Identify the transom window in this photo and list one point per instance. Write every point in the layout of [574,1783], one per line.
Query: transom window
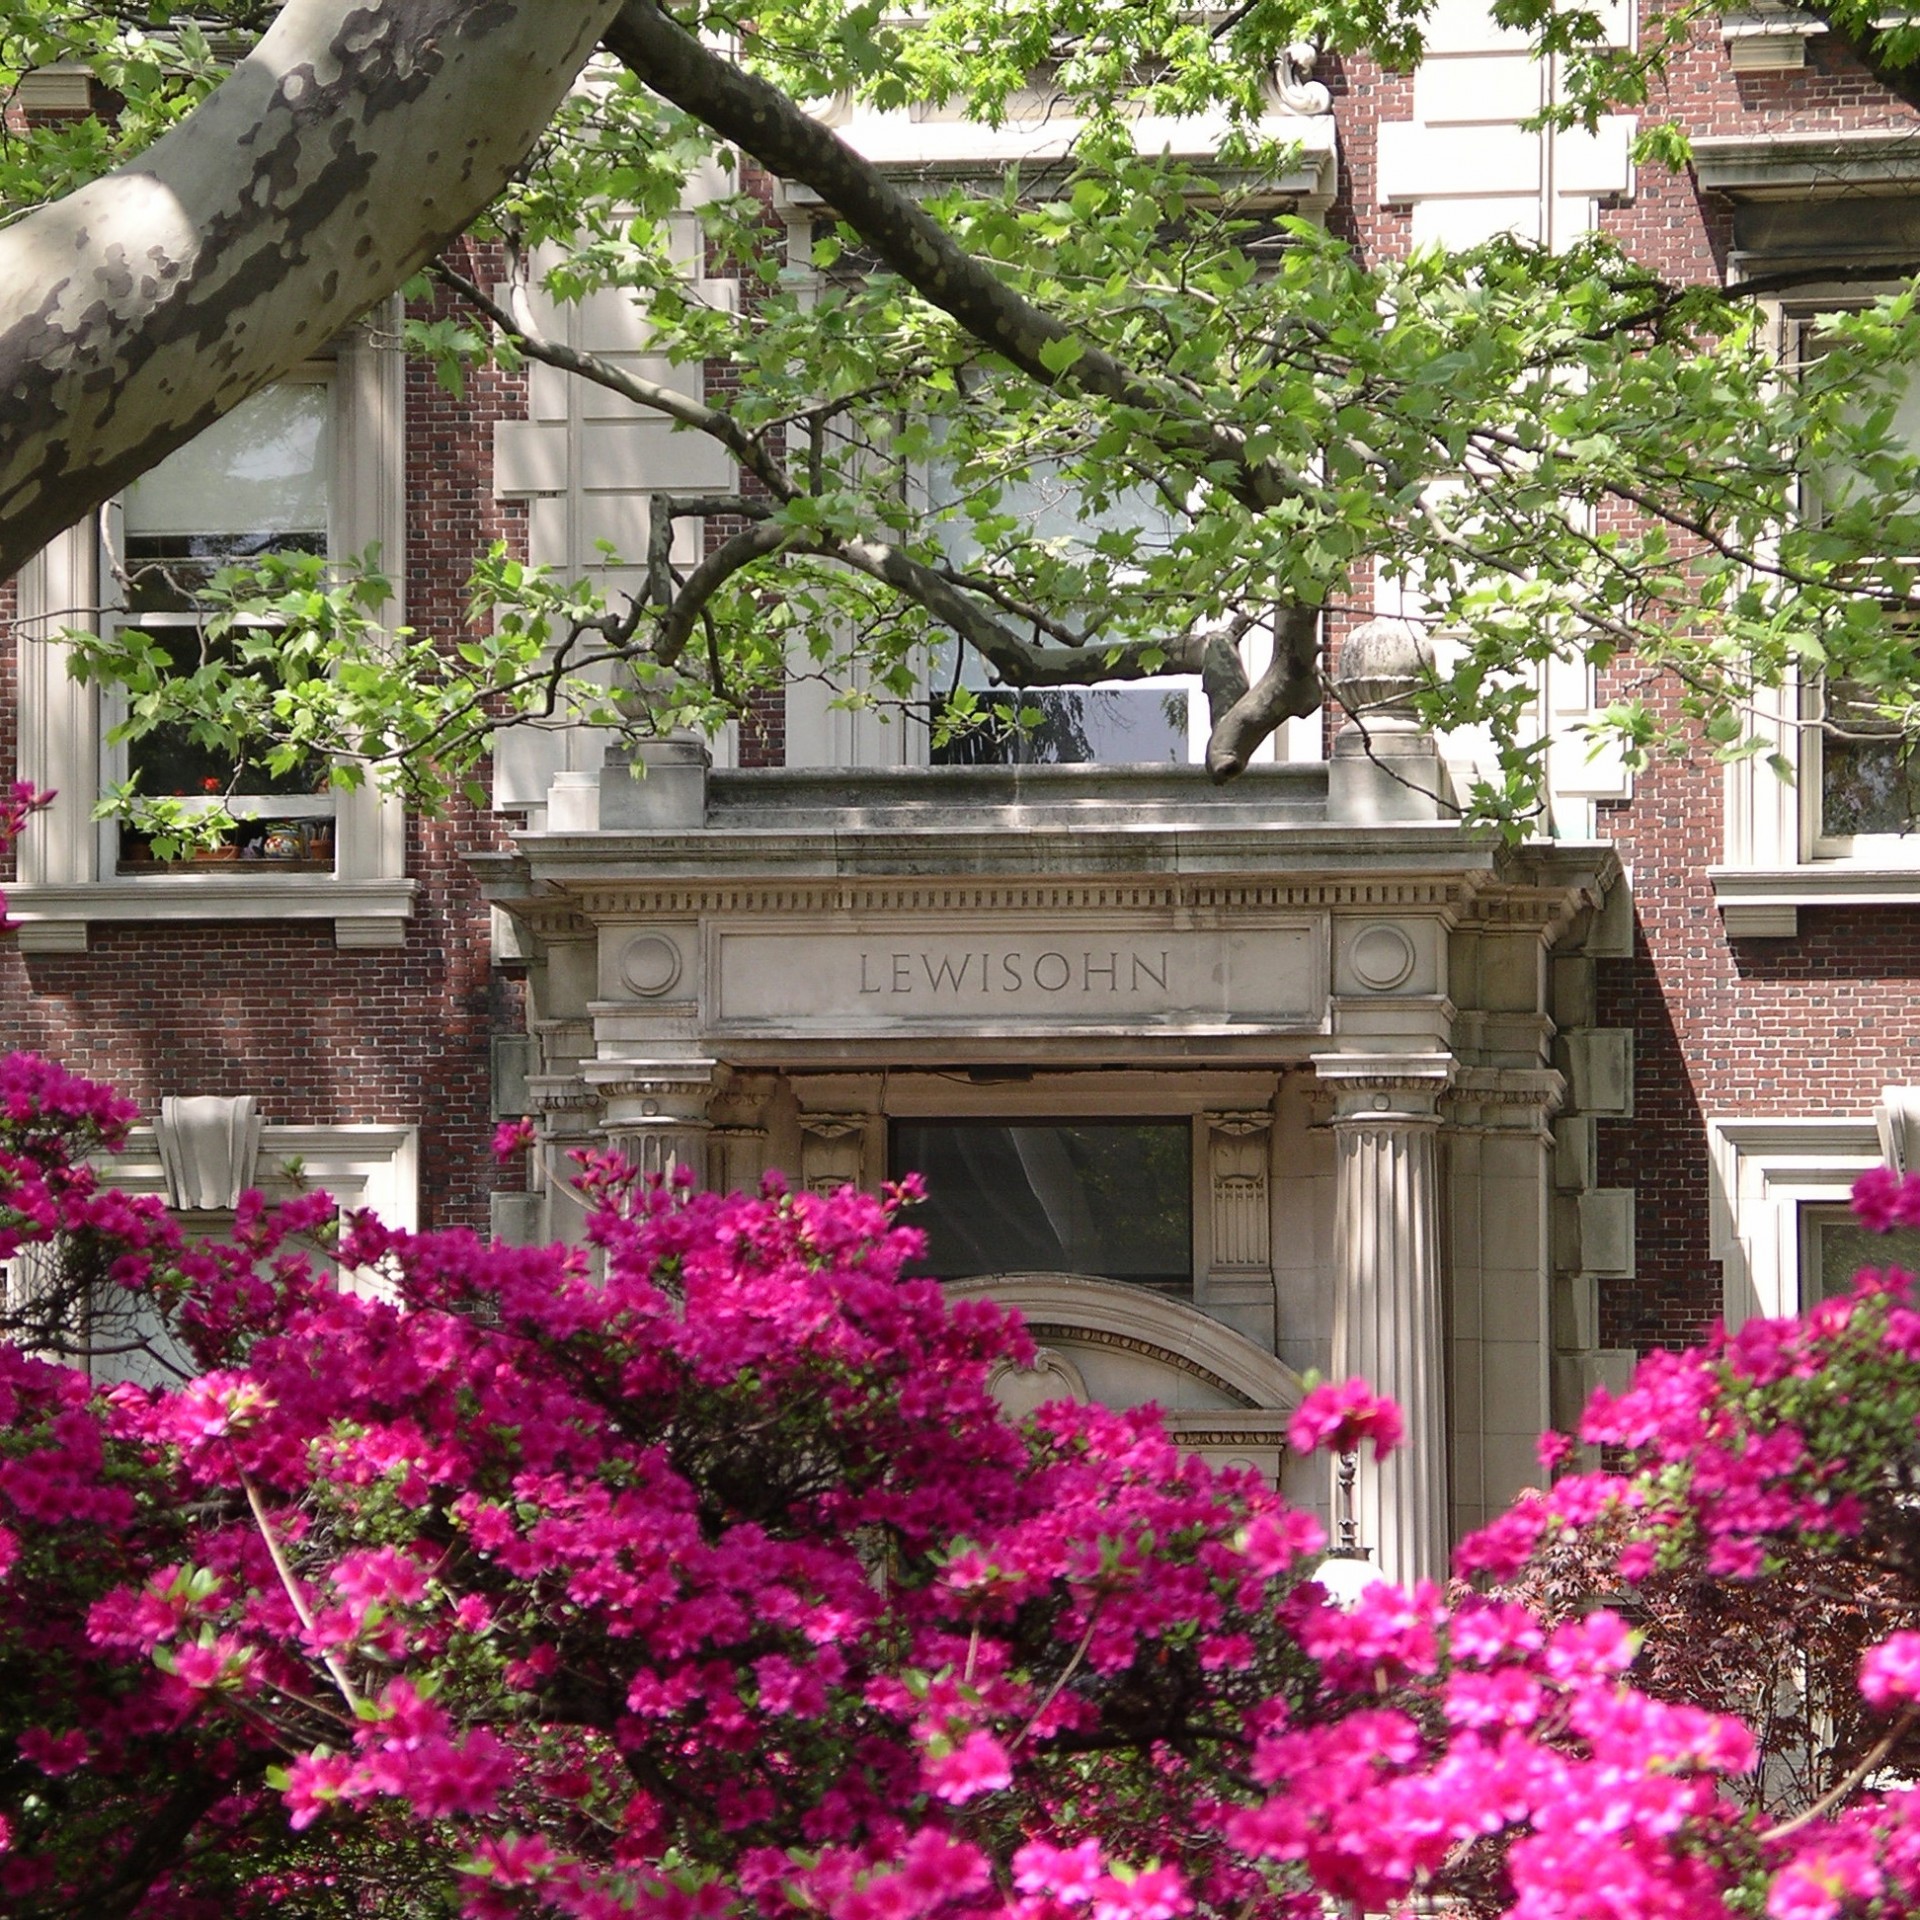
[1107,1197]
[1834,1246]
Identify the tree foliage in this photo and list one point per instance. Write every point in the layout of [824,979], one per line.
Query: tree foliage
[1107,418]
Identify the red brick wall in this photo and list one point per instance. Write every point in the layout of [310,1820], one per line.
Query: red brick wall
[1812,1026]
[323,1036]
[1809,1026]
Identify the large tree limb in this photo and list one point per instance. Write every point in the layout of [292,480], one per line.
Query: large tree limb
[1289,689]
[352,143]
[778,133]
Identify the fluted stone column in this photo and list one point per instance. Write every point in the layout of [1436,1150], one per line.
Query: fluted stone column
[1388,1327]
[654,1114]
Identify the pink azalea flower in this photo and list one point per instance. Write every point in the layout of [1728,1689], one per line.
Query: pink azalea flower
[54,1753]
[978,1765]
[1890,1672]
[1339,1415]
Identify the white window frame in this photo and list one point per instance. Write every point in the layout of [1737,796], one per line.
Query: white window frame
[66,878]
[1766,1172]
[1776,857]
[114,754]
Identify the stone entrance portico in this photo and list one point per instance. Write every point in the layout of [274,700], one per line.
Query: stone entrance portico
[1350,1013]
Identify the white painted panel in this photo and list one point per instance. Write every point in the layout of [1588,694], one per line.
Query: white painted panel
[1466,26]
[529,457]
[1463,89]
[623,520]
[1467,222]
[1597,162]
[602,403]
[549,532]
[610,321]
[548,391]
[618,454]
[1419,163]
[1575,772]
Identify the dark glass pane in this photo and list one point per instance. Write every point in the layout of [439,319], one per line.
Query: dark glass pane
[1869,786]
[169,760]
[1844,1247]
[1076,726]
[1113,1198]
[166,572]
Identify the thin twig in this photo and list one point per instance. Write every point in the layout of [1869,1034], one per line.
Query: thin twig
[1071,1668]
[1874,1756]
[296,1599]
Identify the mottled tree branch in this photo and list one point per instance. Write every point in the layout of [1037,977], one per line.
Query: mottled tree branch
[339,156]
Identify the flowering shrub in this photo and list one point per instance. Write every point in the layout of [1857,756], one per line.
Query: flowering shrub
[700,1575]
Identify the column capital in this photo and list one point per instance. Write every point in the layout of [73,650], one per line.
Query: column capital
[654,1112]
[1387,1089]
[1505,1100]
[561,1093]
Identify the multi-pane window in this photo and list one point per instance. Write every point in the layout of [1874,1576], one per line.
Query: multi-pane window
[1112,1198]
[1867,791]
[255,483]
[1834,1246]
[1869,772]
[1123,723]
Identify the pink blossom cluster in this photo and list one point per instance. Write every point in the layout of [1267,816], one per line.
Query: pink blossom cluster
[1339,1415]
[700,1575]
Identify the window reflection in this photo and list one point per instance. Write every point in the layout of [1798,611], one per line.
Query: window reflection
[1113,1198]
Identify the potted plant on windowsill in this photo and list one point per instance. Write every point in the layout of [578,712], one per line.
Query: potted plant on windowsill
[163,830]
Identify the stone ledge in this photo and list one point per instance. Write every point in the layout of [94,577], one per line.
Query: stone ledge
[366,913]
[1763,903]
[1799,163]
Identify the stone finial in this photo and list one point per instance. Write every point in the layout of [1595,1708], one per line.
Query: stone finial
[1385,764]
[1382,664]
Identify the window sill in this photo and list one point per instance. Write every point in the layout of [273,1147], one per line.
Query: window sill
[365,913]
[1763,903]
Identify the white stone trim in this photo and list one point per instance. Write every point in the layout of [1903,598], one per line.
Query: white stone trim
[1783,161]
[1174,1330]
[1764,903]
[1768,37]
[63,886]
[945,150]
[363,1165]
[1764,1172]
[62,86]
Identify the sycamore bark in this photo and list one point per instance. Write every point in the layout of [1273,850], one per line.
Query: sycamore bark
[351,144]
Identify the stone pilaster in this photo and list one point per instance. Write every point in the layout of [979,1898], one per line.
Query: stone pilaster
[1388,1327]
[565,1108]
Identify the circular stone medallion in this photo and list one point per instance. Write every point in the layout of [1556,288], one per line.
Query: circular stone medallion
[1382,957]
[650,964]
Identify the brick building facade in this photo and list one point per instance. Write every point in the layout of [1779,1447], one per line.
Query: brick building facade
[1482,1122]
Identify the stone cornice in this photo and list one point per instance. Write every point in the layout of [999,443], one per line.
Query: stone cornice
[1779,162]
[562,904]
